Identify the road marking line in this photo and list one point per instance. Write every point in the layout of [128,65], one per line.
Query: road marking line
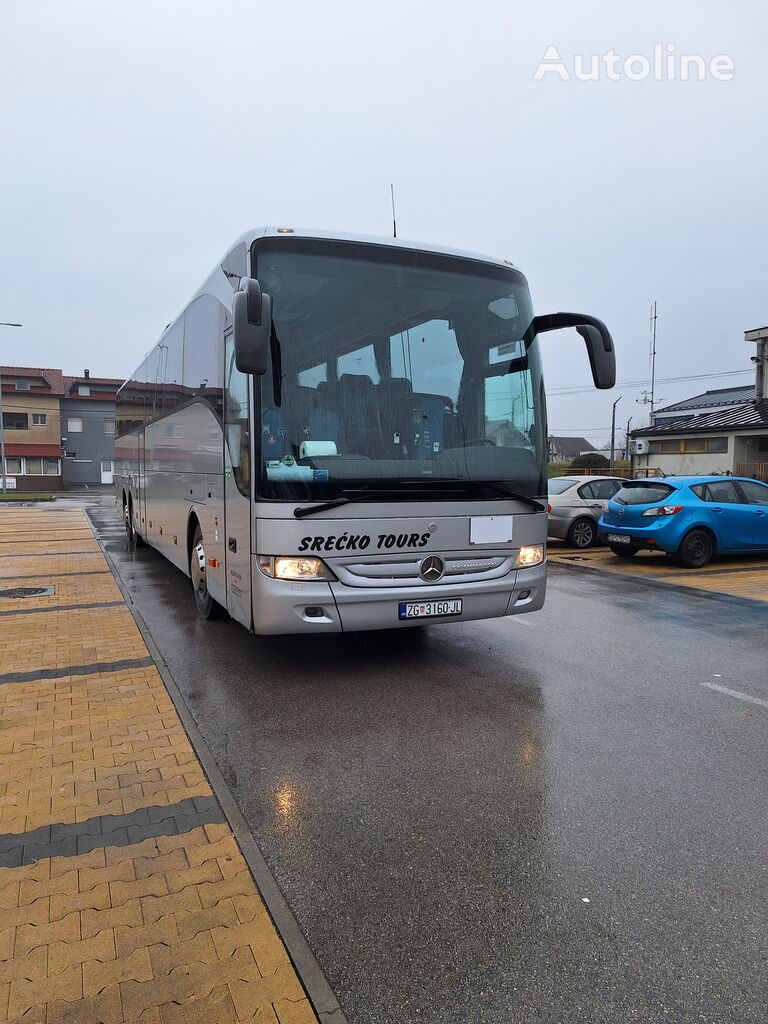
[737,693]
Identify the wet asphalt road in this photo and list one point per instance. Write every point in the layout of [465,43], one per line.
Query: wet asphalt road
[542,819]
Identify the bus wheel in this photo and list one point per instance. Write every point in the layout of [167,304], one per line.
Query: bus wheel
[206,606]
[134,540]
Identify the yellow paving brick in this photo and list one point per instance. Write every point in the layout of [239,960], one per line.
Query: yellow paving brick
[65,986]
[62,955]
[94,899]
[174,861]
[121,932]
[134,967]
[32,966]
[104,1008]
[94,921]
[225,847]
[289,1011]
[250,996]
[155,907]
[208,872]
[130,938]
[215,1008]
[222,915]
[166,957]
[30,936]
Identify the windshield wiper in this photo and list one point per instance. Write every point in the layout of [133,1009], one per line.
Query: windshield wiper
[348,496]
[438,488]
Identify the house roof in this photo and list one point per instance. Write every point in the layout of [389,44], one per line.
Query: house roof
[571,446]
[713,399]
[53,378]
[743,417]
[103,389]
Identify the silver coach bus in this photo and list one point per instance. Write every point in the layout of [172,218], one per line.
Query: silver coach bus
[345,433]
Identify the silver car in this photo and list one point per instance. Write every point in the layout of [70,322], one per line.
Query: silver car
[575,504]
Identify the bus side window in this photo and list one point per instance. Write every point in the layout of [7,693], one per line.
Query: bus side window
[236,420]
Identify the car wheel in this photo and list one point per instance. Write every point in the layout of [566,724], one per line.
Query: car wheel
[206,606]
[623,552]
[696,549]
[582,533]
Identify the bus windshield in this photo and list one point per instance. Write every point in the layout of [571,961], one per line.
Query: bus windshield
[392,369]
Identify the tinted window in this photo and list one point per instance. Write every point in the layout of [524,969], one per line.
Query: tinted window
[171,361]
[203,328]
[643,494]
[562,483]
[756,494]
[722,493]
[587,492]
[604,489]
[236,421]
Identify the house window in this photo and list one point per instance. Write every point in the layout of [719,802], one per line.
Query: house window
[84,390]
[33,467]
[22,385]
[689,445]
[51,467]
[15,421]
[762,444]
[39,419]
[75,424]
[109,426]
[12,466]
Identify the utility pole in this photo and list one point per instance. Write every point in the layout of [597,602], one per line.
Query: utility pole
[654,318]
[2,429]
[613,429]
[626,444]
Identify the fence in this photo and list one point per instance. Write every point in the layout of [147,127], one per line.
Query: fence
[757,470]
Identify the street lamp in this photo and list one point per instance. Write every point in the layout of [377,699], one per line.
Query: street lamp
[613,428]
[2,429]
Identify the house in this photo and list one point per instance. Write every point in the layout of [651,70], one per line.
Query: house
[720,431]
[88,430]
[566,449]
[32,427]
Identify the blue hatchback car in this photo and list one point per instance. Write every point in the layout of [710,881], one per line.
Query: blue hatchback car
[690,517]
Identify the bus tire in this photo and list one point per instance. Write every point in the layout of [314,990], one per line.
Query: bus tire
[134,539]
[206,606]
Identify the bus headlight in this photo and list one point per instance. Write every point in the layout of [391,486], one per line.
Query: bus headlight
[533,554]
[291,567]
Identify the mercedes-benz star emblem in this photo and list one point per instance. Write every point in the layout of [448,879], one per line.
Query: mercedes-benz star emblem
[432,569]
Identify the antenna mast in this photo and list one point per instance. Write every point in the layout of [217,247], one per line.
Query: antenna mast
[394,219]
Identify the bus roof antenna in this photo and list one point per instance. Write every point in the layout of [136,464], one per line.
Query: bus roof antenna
[394,220]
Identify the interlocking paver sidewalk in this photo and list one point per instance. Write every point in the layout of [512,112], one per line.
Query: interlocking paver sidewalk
[123,893]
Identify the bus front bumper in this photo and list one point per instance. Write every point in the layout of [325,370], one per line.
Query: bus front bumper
[283,607]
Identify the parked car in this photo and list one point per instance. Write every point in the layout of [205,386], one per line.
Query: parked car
[575,504]
[692,518]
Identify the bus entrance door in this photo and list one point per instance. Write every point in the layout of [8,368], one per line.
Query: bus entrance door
[237,488]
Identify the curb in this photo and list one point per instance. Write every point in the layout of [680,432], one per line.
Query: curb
[648,581]
[319,992]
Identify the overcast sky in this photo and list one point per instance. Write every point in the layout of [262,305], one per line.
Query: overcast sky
[137,141]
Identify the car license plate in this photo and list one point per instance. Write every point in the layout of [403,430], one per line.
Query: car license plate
[429,609]
[618,538]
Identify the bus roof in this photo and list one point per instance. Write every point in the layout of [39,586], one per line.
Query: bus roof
[268,232]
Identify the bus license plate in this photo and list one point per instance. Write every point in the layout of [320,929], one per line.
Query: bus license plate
[429,609]
[618,538]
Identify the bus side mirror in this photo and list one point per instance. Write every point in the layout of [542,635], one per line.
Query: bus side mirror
[602,357]
[252,326]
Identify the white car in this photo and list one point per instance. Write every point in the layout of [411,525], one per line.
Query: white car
[575,505]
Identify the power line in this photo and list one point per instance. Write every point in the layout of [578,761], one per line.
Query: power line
[645,383]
